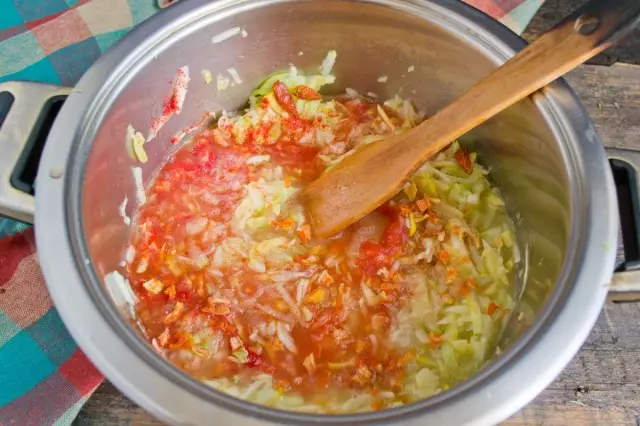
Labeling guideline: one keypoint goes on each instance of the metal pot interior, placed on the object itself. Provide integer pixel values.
(523, 147)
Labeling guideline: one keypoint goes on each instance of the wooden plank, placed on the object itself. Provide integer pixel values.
(602, 384)
(552, 11)
(107, 406)
(611, 96)
(563, 414)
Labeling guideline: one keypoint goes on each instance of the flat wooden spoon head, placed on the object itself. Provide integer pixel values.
(362, 181)
(377, 172)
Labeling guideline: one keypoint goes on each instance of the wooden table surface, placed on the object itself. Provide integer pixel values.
(602, 384)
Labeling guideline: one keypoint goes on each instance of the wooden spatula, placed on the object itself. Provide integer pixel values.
(377, 172)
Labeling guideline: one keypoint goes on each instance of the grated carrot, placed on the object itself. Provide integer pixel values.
(434, 340)
(305, 233)
(175, 314)
(423, 205)
(492, 308)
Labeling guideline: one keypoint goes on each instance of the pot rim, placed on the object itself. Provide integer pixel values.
(560, 328)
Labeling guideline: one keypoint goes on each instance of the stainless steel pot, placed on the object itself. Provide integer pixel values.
(544, 155)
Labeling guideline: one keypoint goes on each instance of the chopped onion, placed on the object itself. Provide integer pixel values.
(207, 76)
(157, 347)
(516, 253)
(241, 355)
(235, 343)
(422, 335)
(310, 363)
(473, 199)
(222, 83)
(130, 254)
(120, 291)
(138, 149)
(324, 136)
(286, 297)
(196, 225)
(258, 159)
(284, 276)
(307, 315)
(328, 62)
(271, 328)
(135, 145)
(386, 118)
(429, 248)
(275, 314)
(301, 290)
(198, 257)
(370, 296)
(341, 365)
(226, 35)
(153, 286)
(122, 211)
(285, 338)
(137, 179)
(256, 264)
(333, 260)
(234, 75)
(352, 92)
(142, 266)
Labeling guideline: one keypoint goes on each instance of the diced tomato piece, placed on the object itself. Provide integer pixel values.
(444, 257)
(378, 255)
(395, 235)
(371, 248)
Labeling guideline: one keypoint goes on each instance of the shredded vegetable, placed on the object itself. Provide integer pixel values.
(232, 287)
(226, 35)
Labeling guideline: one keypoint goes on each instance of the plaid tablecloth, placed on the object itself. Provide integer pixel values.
(44, 377)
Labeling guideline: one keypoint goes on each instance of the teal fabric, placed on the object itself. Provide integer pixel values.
(10, 227)
(13, 376)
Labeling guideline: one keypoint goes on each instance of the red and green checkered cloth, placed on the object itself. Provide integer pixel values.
(44, 377)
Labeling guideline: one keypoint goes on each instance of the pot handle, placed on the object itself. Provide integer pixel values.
(27, 112)
(625, 165)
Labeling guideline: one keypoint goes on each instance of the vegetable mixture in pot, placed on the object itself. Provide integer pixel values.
(233, 288)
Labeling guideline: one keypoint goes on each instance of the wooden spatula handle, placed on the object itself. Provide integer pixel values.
(579, 37)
